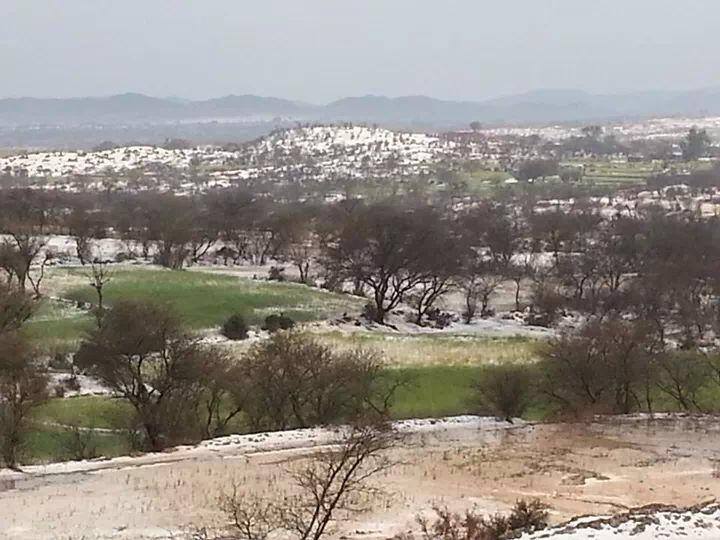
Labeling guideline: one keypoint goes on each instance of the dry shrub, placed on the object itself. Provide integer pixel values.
(504, 390)
(525, 516)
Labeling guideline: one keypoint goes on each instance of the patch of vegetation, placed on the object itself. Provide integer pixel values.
(235, 327)
(205, 300)
(52, 444)
(57, 328)
(84, 411)
(438, 349)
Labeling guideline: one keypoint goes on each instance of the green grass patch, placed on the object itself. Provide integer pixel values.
(57, 327)
(44, 445)
(435, 391)
(85, 411)
(205, 300)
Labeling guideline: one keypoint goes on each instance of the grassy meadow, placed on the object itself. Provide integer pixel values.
(205, 300)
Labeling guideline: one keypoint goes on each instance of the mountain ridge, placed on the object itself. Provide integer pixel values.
(539, 106)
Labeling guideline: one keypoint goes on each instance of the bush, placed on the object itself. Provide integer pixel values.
(235, 327)
(294, 381)
(276, 273)
(524, 517)
(122, 256)
(505, 390)
(370, 312)
(273, 323)
(547, 303)
(60, 361)
(604, 367)
(79, 444)
(71, 383)
(528, 515)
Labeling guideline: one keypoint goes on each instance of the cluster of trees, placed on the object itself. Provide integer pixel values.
(606, 366)
(570, 257)
(182, 390)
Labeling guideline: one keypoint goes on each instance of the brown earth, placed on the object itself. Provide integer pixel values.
(596, 468)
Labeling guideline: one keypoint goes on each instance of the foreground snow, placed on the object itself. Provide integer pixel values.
(647, 523)
(233, 445)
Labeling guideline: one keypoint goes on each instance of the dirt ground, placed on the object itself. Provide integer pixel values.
(576, 469)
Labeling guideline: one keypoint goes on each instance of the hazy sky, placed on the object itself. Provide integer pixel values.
(319, 50)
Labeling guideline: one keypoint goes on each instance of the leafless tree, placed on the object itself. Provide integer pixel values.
(100, 274)
(23, 385)
(324, 488)
(292, 380)
(141, 352)
(16, 307)
(605, 367)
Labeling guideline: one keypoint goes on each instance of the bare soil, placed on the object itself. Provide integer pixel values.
(592, 468)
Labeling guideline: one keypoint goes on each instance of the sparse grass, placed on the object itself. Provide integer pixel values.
(483, 181)
(205, 300)
(437, 349)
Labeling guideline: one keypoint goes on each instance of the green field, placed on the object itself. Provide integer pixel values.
(428, 392)
(205, 300)
(56, 327)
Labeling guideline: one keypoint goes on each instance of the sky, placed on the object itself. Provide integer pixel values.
(321, 50)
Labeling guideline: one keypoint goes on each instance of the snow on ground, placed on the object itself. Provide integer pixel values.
(81, 385)
(655, 128)
(496, 326)
(644, 524)
(59, 164)
(589, 469)
(256, 442)
(318, 152)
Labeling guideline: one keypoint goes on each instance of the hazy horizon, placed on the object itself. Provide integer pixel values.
(318, 51)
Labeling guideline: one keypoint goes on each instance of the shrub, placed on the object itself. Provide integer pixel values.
(604, 367)
(122, 256)
(79, 444)
(505, 390)
(273, 323)
(276, 273)
(526, 516)
(547, 305)
(293, 381)
(71, 383)
(235, 327)
(60, 361)
(370, 311)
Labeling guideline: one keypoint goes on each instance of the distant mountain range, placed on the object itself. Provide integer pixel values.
(533, 107)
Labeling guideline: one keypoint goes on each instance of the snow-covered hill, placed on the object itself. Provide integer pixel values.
(62, 164)
(302, 153)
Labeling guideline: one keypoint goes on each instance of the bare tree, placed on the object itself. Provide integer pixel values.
(23, 385)
(681, 376)
(605, 367)
(100, 275)
(480, 280)
(16, 307)
(141, 352)
(292, 380)
(327, 486)
(385, 248)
